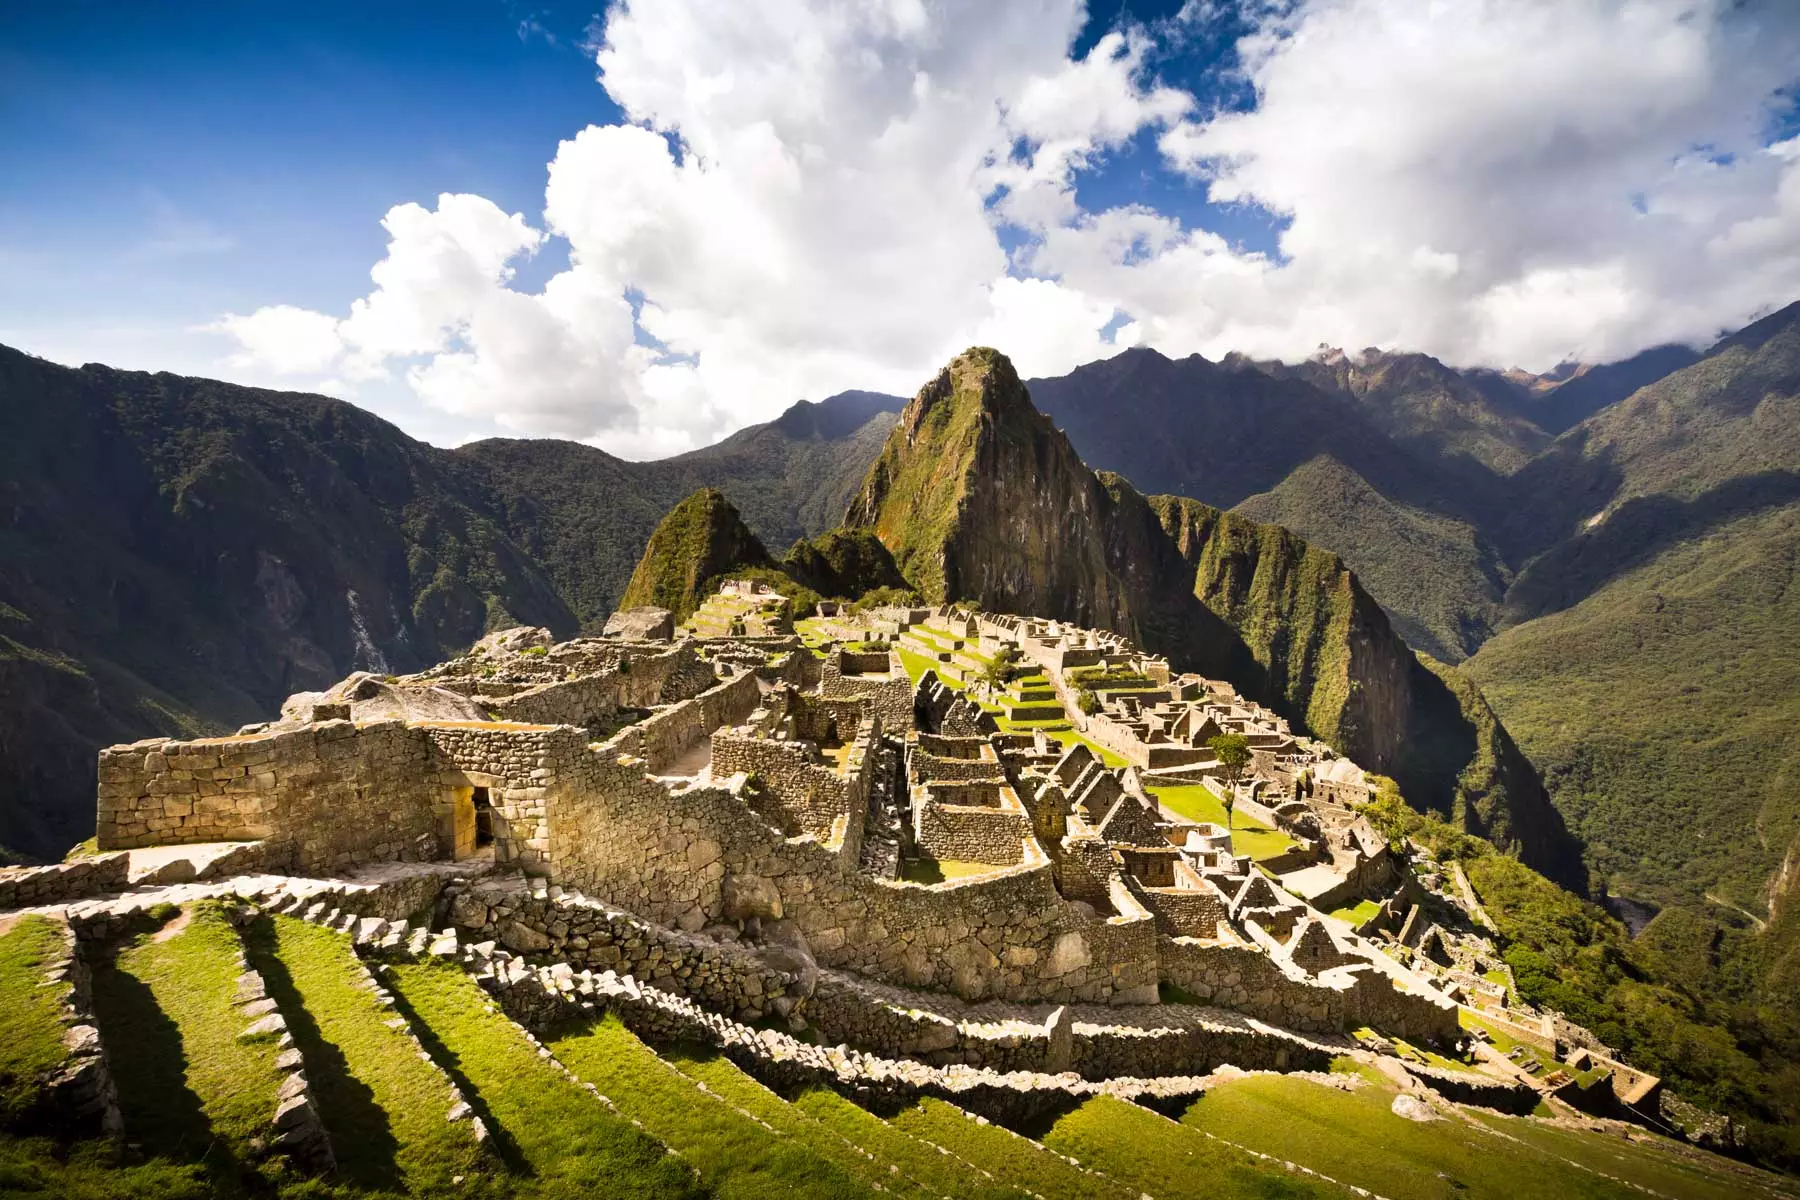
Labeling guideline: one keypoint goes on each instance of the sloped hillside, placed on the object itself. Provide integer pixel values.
(980, 498)
(182, 554)
(414, 1081)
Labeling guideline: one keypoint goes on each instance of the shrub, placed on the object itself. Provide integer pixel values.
(1087, 702)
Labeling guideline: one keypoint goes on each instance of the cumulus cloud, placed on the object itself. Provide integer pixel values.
(812, 196)
(1500, 181)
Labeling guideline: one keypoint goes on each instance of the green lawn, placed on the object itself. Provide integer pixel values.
(189, 1086)
(383, 1106)
(1013, 1160)
(1196, 802)
(1357, 913)
(557, 1138)
(730, 1082)
(938, 870)
(1355, 1137)
(927, 1164)
(31, 1028)
(1169, 1161)
(736, 1156)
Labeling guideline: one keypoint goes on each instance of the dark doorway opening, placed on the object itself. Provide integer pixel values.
(484, 818)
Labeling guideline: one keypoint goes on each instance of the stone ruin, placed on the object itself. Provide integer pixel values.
(815, 834)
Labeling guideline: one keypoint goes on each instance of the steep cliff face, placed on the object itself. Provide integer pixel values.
(965, 488)
(980, 498)
(700, 538)
(1319, 640)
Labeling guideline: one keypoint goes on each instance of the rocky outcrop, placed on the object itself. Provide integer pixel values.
(981, 499)
(700, 539)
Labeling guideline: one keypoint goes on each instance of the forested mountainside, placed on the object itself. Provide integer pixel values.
(181, 554)
(586, 514)
(980, 497)
(1626, 592)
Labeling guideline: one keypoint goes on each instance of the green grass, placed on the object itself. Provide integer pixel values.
(939, 870)
(730, 1082)
(1196, 802)
(1168, 1160)
(31, 1028)
(94, 1170)
(1013, 1160)
(1357, 913)
(922, 1161)
(1354, 1137)
(383, 1106)
(1648, 1161)
(189, 1086)
(547, 1129)
(736, 1156)
(916, 666)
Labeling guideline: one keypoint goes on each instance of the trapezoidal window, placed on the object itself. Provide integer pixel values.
(484, 817)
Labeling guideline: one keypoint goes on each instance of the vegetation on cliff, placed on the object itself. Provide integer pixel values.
(981, 499)
(699, 540)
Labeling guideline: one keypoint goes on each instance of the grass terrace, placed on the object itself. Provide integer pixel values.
(546, 1128)
(1505, 1043)
(1357, 913)
(190, 1087)
(383, 1106)
(737, 1155)
(1197, 802)
(728, 1081)
(1013, 1160)
(929, 1165)
(934, 870)
(1161, 1158)
(1355, 1137)
(31, 1029)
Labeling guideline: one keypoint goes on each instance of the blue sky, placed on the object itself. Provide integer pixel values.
(170, 165)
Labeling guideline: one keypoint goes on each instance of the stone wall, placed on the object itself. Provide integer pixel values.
(525, 769)
(1186, 912)
(58, 883)
(892, 697)
(725, 976)
(800, 796)
(586, 701)
(666, 855)
(326, 796)
(664, 737)
(994, 834)
(1244, 978)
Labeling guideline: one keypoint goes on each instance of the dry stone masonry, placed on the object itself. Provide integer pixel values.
(946, 879)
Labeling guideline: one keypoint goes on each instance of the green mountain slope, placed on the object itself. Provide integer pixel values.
(182, 554)
(1438, 578)
(585, 514)
(700, 539)
(179, 555)
(979, 497)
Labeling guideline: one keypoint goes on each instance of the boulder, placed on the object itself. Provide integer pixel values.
(643, 624)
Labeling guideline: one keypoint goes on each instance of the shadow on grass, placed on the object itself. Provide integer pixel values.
(362, 1137)
(500, 1140)
(149, 1065)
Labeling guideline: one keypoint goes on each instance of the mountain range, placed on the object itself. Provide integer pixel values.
(1603, 554)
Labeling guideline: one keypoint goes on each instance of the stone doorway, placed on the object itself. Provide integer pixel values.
(483, 805)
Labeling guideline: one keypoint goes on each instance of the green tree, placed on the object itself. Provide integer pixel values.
(1087, 701)
(1000, 668)
(1233, 752)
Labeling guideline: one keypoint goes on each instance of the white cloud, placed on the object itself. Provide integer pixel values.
(1500, 181)
(811, 198)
